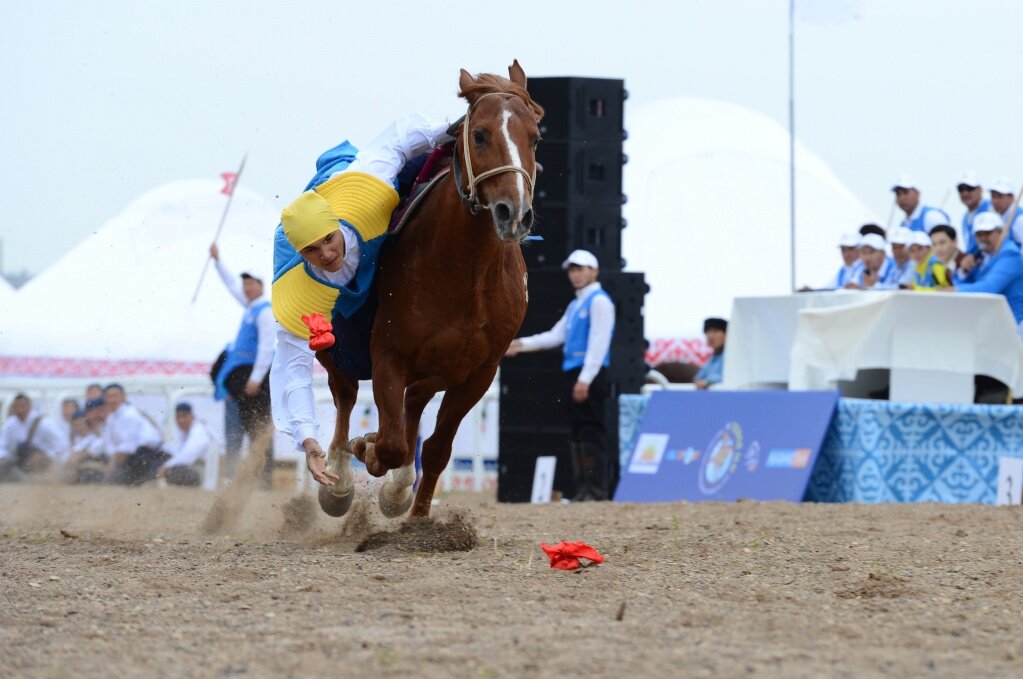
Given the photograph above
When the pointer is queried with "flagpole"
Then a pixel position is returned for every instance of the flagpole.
(792, 144)
(220, 226)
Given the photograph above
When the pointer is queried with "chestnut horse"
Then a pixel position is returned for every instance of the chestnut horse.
(452, 295)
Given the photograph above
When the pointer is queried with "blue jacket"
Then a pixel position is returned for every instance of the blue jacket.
(1002, 275)
(713, 370)
(577, 332)
(920, 223)
(242, 351)
(969, 242)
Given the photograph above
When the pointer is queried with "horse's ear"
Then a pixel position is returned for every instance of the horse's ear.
(465, 83)
(517, 75)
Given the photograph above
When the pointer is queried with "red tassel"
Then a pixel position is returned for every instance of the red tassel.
(321, 333)
(566, 555)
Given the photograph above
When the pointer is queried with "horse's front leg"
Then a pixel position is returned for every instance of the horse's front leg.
(390, 450)
(396, 493)
(337, 500)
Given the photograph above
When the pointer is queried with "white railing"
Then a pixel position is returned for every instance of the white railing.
(474, 452)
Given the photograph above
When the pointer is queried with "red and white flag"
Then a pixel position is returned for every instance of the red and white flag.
(230, 179)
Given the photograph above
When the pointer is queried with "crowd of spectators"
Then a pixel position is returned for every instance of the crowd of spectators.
(927, 252)
(102, 439)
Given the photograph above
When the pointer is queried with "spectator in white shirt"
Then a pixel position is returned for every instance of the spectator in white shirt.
(189, 450)
(29, 441)
(88, 461)
(131, 439)
(900, 241)
(585, 331)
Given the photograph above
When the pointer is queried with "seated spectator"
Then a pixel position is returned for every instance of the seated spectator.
(93, 392)
(878, 271)
(999, 272)
(87, 461)
(849, 246)
(189, 450)
(900, 240)
(928, 271)
(68, 409)
(712, 372)
(29, 441)
(919, 217)
(1002, 196)
(868, 229)
(946, 248)
(131, 439)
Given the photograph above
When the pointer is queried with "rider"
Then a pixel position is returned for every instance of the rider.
(325, 253)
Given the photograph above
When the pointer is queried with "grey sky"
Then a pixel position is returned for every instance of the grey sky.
(105, 100)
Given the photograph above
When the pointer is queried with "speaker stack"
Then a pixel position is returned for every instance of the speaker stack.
(578, 205)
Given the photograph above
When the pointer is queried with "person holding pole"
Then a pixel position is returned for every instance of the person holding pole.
(245, 373)
(1002, 202)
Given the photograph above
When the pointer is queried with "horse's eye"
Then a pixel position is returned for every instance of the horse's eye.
(478, 137)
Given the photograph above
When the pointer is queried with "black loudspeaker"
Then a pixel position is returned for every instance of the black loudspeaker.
(580, 170)
(565, 227)
(581, 108)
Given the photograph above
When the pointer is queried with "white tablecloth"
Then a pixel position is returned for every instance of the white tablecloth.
(813, 340)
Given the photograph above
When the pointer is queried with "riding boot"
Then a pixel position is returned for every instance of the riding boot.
(596, 470)
(578, 473)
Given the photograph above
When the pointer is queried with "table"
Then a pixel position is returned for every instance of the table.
(932, 343)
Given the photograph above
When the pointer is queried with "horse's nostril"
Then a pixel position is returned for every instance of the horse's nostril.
(502, 213)
(527, 219)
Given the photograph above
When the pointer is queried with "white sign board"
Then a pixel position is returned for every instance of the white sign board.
(1010, 481)
(543, 479)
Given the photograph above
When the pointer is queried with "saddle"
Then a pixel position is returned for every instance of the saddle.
(428, 171)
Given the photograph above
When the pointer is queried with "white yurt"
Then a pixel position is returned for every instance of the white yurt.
(708, 211)
(123, 297)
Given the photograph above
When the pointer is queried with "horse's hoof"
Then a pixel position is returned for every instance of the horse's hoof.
(396, 494)
(361, 445)
(335, 505)
(336, 500)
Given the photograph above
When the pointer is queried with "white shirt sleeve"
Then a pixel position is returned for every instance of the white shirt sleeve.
(49, 439)
(388, 152)
(291, 388)
(193, 448)
(7, 438)
(554, 337)
(265, 346)
(602, 323)
(231, 282)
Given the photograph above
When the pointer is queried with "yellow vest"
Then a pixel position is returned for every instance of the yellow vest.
(361, 201)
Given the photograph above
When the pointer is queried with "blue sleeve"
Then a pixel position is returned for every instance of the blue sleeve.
(284, 254)
(332, 161)
(997, 278)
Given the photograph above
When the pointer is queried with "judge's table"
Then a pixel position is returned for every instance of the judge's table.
(924, 347)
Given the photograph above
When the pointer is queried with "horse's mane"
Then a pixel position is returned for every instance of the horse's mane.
(487, 83)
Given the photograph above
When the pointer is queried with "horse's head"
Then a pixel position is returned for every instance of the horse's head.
(496, 149)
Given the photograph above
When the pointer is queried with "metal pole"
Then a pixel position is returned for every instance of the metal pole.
(792, 144)
(220, 226)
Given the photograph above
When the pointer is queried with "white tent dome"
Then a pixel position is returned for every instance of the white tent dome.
(708, 211)
(125, 293)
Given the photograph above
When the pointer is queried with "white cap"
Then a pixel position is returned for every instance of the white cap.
(582, 258)
(849, 240)
(905, 182)
(872, 240)
(969, 178)
(1003, 185)
(986, 221)
(901, 236)
(920, 238)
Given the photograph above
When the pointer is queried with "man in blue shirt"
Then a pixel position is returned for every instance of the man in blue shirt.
(585, 331)
(999, 273)
(1002, 195)
(971, 193)
(879, 271)
(919, 217)
(712, 372)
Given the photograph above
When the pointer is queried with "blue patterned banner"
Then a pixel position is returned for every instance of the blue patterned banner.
(882, 451)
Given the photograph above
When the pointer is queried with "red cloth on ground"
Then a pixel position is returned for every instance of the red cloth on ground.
(321, 333)
(566, 555)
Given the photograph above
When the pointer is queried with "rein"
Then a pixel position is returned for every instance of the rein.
(470, 196)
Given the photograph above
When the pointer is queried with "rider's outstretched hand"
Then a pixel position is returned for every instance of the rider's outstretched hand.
(316, 460)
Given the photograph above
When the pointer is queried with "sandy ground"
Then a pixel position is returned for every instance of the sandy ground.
(123, 582)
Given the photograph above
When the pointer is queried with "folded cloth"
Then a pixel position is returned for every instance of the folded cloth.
(320, 332)
(566, 555)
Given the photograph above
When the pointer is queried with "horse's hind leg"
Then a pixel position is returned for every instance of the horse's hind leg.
(337, 500)
(437, 449)
(396, 492)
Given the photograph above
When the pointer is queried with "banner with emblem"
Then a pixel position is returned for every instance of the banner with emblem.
(723, 446)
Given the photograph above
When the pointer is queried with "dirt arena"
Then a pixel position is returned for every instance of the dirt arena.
(124, 582)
